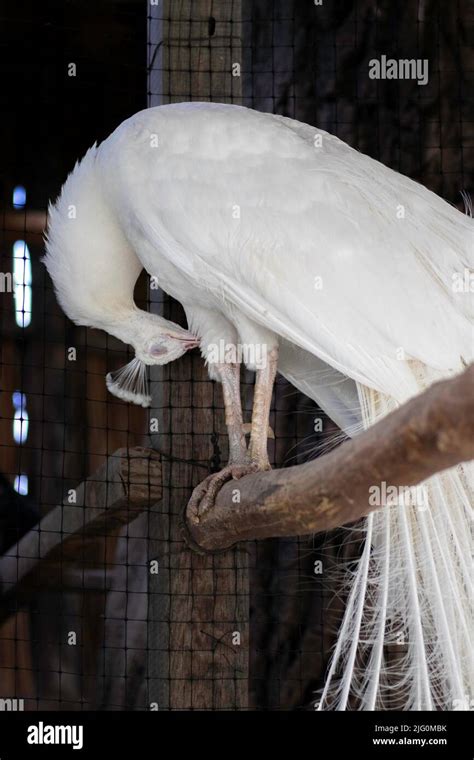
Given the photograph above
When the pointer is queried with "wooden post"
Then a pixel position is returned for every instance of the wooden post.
(199, 606)
(80, 534)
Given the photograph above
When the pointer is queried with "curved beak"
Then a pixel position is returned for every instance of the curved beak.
(186, 338)
(189, 344)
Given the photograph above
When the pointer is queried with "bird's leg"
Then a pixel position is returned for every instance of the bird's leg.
(241, 461)
(204, 494)
(262, 398)
(230, 379)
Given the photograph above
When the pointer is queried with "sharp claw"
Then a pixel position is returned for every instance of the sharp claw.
(204, 495)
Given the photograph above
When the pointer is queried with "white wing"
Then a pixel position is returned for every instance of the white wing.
(326, 247)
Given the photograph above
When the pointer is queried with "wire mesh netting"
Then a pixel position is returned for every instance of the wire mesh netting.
(102, 606)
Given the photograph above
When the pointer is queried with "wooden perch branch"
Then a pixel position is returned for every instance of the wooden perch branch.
(430, 433)
(81, 536)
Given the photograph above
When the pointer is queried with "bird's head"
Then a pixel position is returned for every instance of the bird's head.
(156, 341)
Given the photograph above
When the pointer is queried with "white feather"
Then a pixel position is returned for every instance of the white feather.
(130, 383)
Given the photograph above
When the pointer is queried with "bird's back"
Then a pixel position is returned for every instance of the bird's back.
(298, 230)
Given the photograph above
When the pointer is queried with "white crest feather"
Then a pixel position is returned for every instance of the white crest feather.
(130, 383)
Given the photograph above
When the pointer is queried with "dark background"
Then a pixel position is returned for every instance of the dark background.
(52, 118)
(49, 119)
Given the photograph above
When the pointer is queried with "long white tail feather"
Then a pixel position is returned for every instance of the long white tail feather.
(352, 603)
(448, 568)
(412, 589)
(358, 614)
(375, 664)
(416, 639)
(442, 607)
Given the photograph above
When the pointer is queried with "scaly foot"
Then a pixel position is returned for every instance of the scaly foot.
(204, 495)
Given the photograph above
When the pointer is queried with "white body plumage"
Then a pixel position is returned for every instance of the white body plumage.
(272, 232)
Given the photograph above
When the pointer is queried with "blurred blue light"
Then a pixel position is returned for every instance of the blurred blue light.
(21, 263)
(20, 425)
(21, 484)
(19, 197)
(19, 400)
(22, 276)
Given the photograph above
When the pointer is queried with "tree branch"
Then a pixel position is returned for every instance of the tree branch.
(430, 433)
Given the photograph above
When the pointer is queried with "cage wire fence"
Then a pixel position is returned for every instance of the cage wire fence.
(111, 612)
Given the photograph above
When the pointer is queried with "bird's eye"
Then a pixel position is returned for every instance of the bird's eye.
(157, 350)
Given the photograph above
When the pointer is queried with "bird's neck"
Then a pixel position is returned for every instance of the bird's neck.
(91, 262)
(131, 326)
